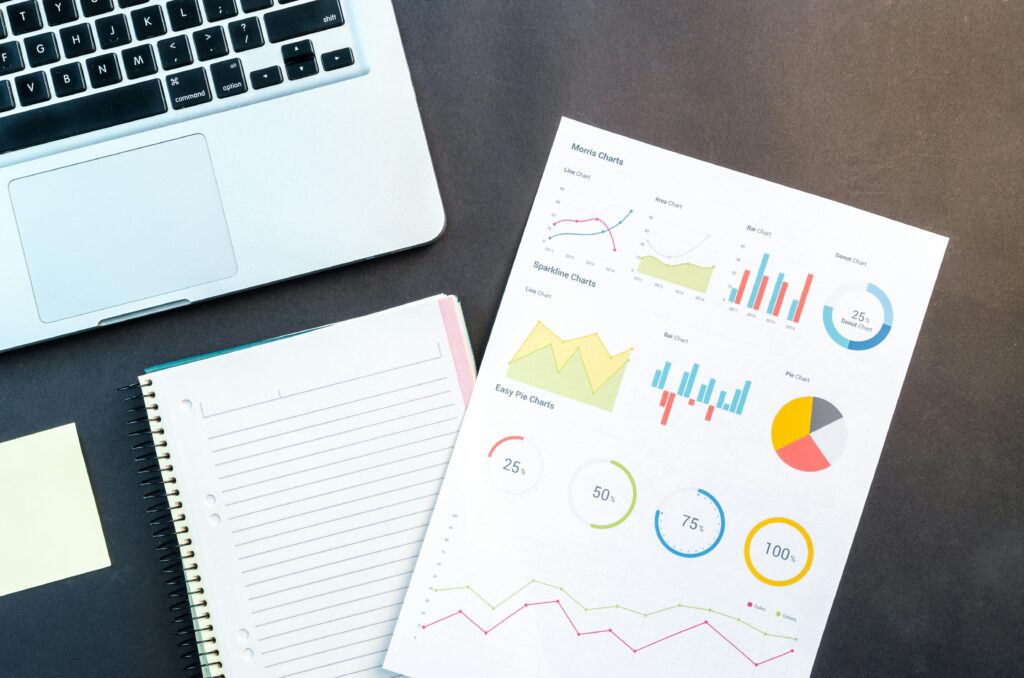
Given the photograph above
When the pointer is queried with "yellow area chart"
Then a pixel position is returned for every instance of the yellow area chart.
(582, 369)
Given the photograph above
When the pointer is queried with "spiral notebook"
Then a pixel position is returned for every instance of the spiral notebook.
(293, 482)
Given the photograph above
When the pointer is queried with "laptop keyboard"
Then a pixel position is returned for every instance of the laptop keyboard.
(72, 67)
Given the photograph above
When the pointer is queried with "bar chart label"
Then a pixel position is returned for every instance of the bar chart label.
(689, 523)
(858, 316)
(704, 396)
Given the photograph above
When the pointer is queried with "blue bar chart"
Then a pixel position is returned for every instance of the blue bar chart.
(731, 401)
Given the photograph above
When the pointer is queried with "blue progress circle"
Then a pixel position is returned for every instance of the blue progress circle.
(718, 539)
(828, 314)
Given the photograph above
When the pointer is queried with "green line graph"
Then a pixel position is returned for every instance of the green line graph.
(585, 608)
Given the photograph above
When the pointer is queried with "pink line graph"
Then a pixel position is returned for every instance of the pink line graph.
(609, 631)
(587, 221)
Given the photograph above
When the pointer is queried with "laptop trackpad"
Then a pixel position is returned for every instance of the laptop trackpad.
(123, 228)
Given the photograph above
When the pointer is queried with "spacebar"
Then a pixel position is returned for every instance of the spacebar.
(78, 116)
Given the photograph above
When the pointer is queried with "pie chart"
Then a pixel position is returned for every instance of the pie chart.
(809, 434)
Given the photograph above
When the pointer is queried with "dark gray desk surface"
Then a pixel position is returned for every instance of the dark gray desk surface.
(911, 110)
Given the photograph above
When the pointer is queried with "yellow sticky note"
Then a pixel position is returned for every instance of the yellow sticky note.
(49, 527)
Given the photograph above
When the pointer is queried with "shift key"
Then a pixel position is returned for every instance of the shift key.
(298, 20)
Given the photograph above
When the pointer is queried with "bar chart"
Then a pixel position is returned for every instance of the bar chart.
(706, 394)
(755, 287)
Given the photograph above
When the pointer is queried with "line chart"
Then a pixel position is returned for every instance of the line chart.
(676, 256)
(605, 228)
(609, 631)
(585, 608)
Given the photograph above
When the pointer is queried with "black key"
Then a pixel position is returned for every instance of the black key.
(130, 3)
(138, 61)
(297, 51)
(60, 11)
(32, 88)
(245, 34)
(24, 18)
(266, 77)
(81, 115)
(254, 5)
(112, 31)
(339, 58)
(3, 27)
(67, 79)
(183, 14)
(174, 52)
(148, 22)
(219, 9)
(97, 7)
(77, 40)
(103, 70)
(6, 96)
(302, 69)
(188, 88)
(299, 20)
(41, 49)
(228, 78)
(10, 58)
(210, 43)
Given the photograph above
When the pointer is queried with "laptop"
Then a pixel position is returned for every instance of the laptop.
(158, 153)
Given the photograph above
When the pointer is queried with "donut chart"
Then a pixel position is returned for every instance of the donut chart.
(689, 523)
(849, 324)
(809, 434)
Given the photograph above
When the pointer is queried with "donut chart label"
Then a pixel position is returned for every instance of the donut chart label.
(852, 319)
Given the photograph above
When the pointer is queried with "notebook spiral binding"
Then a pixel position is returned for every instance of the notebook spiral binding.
(188, 608)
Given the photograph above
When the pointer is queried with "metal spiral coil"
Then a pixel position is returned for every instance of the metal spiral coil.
(188, 606)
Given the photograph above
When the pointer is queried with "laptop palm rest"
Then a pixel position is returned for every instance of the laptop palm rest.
(123, 228)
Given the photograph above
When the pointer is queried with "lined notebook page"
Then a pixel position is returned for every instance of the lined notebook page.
(308, 469)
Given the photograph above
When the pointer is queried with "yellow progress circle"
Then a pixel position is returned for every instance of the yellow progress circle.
(779, 582)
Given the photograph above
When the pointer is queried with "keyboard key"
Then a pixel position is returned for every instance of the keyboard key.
(254, 5)
(245, 34)
(228, 78)
(6, 96)
(67, 79)
(148, 22)
(266, 77)
(139, 61)
(3, 26)
(103, 70)
(188, 88)
(77, 40)
(97, 7)
(339, 58)
(219, 9)
(174, 52)
(24, 18)
(130, 3)
(297, 51)
(112, 31)
(183, 14)
(81, 115)
(41, 49)
(60, 11)
(10, 58)
(32, 88)
(210, 43)
(301, 69)
(299, 20)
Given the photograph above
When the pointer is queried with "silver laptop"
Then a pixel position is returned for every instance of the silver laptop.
(157, 153)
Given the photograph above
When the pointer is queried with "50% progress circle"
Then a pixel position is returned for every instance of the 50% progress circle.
(602, 493)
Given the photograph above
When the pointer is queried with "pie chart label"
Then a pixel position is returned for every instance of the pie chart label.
(809, 434)
(858, 316)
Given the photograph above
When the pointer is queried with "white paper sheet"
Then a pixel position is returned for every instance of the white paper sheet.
(673, 433)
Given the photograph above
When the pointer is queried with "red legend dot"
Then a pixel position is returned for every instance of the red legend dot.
(750, 605)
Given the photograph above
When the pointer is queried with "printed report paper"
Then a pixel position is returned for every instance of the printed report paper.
(683, 402)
